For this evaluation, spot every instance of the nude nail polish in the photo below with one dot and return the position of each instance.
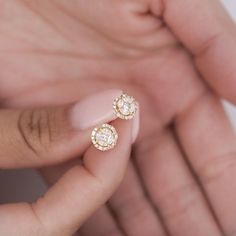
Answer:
(95, 109)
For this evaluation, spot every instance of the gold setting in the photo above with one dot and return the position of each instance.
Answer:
(104, 137)
(125, 107)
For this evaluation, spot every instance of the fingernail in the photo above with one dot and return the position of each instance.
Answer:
(95, 109)
(135, 126)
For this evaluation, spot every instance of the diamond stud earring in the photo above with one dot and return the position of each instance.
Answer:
(104, 137)
(125, 107)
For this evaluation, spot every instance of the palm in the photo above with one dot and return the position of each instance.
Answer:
(61, 54)
(41, 65)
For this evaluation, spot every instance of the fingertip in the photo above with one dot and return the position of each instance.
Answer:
(110, 165)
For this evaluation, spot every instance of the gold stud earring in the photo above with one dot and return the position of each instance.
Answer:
(125, 107)
(104, 137)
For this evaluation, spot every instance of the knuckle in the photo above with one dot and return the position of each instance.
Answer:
(42, 226)
(34, 225)
(35, 127)
(179, 201)
(39, 228)
(132, 206)
(218, 167)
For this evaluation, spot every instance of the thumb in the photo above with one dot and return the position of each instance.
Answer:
(77, 194)
(38, 137)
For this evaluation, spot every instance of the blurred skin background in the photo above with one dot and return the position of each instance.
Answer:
(26, 185)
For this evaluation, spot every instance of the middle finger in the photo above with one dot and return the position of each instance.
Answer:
(173, 189)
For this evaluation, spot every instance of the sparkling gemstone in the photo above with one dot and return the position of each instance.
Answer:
(120, 103)
(125, 106)
(105, 137)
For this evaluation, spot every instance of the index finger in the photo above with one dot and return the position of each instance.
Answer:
(208, 32)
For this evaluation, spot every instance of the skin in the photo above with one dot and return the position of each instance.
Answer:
(177, 58)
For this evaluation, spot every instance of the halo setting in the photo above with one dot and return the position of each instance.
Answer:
(104, 137)
(125, 107)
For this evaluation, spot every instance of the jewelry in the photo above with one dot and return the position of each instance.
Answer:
(125, 107)
(104, 137)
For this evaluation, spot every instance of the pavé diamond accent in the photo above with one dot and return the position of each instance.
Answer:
(104, 137)
(125, 107)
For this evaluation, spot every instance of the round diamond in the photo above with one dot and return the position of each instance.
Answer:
(104, 137)
(125, 107)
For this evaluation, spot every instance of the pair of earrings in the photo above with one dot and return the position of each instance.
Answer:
(105, 137)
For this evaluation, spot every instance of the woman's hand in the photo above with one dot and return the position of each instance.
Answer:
(46, 136)
(177, 58)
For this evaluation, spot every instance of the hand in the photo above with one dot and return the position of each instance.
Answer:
(46, 136)
(177, 58)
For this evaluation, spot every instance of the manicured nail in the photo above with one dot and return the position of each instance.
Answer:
(94, 110)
